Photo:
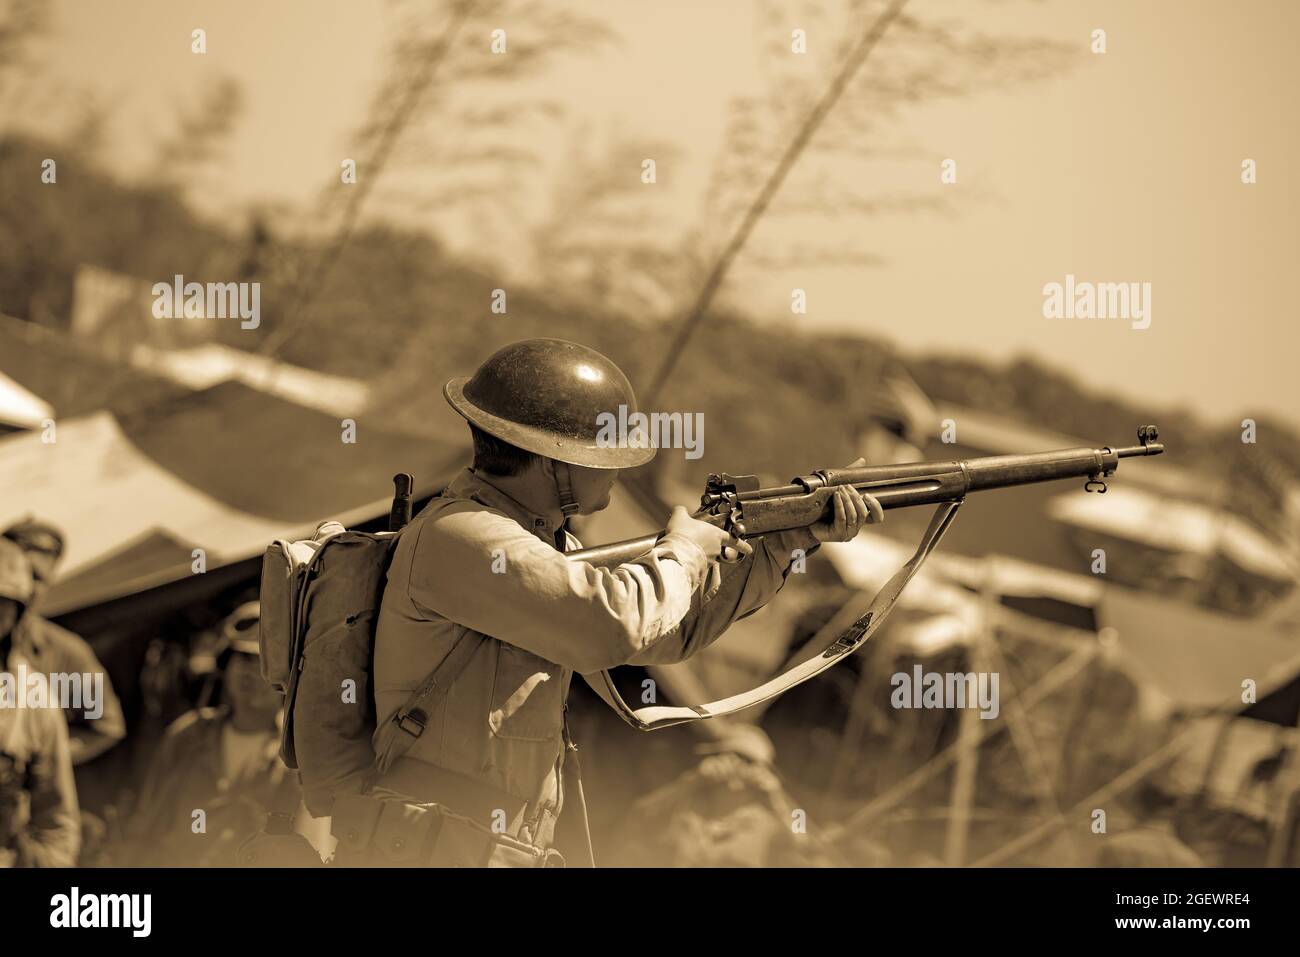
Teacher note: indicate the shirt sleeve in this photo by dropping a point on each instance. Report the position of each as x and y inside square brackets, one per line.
[90, 737]
[53, 838]
[484, 571]
[731, 592]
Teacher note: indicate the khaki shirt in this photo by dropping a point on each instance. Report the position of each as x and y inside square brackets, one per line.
[189, 772]
[476, 560]
[51, 650]
[41, 818]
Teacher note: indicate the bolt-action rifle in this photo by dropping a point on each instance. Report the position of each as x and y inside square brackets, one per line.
[737, 503]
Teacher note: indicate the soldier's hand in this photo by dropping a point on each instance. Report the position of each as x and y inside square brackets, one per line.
[851, 510]
[711, 539]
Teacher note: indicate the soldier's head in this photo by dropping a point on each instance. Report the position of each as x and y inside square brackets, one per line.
[239, 660]
[534, 410]
[43, 545]
[15, 586]
[497, 458]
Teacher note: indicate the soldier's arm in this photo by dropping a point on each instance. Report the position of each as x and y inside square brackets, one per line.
[485, 572]
[53, 836]
[89, 737]
[739, 590]
[155, 811]
[730, 593]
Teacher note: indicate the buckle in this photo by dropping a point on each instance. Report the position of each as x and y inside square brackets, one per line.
[415, 717]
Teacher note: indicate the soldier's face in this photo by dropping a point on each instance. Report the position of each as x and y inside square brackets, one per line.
[592, 487]
[8, 615]
[44, 563]
[246, 688]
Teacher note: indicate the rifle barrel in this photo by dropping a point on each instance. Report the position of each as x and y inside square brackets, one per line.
[807, 497]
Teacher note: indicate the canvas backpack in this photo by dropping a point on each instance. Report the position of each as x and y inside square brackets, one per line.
[320, 601]
[320, 605]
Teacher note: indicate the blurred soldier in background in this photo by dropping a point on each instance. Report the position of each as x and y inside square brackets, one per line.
[900, 421]
[39, 823]
[50, 649]
[217, 770]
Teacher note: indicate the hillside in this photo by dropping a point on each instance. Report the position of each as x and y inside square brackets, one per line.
[396, 311]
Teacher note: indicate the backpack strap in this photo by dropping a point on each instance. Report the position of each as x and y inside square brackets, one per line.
[400, 732]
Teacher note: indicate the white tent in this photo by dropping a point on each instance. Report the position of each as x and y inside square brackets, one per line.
[19, 408]
[93, 482]
[202, 367]
[1176, 526]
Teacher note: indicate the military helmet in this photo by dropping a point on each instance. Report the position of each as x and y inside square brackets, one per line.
[239, 631]
[544, 396]
[43, 544]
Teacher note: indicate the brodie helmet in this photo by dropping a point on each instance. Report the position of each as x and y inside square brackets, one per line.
[545, 396]
[43, 544]
[239, 630]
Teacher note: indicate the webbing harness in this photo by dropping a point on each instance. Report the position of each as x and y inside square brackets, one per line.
[654, 717]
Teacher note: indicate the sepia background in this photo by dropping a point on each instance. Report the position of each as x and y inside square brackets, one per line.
[817, 297]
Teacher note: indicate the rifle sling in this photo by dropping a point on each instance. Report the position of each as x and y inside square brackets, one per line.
[665, 716]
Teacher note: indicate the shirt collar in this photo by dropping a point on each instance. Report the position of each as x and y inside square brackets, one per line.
[476, 486]
[27, 634]
[18, 656]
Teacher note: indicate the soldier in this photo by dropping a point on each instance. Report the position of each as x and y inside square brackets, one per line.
[39, 823]
[479, 575]
[899, 419]
[53, 650]
[217, 771]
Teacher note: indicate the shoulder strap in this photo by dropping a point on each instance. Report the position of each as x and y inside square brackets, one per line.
[408, 722]
[656, 717]
[404, 728]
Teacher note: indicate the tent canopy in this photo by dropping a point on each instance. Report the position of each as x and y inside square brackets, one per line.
[19, 408]
[226, 470]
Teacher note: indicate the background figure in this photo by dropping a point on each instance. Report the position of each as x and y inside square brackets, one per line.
[39, 824]
[50, 649]
[899, 417]
[217, 769]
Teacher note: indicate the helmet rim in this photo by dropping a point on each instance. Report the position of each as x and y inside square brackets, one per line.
[548, 444]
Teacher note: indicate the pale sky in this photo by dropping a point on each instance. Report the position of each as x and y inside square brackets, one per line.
[1125, 168]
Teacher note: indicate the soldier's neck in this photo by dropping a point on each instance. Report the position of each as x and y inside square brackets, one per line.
[534, 490]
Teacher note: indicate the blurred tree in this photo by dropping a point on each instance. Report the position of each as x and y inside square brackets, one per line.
[23, 23]
[201, 134]
[921, 60]
[453, 108]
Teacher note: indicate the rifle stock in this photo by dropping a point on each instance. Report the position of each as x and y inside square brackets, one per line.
[738, 503]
